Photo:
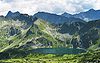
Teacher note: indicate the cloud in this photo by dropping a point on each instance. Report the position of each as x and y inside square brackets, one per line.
[97, 4]
[4, 7]
[52, 6]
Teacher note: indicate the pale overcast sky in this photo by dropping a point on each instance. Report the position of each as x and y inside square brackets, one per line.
[53, 6]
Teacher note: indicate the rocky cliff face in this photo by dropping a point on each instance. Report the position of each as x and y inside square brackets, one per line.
[43, 33]
[87, 16]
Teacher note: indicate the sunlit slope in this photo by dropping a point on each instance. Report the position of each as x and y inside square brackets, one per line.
[8, 30]
[40, 34]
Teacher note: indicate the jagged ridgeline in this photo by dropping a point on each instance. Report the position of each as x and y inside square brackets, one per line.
[9, 29]
[49, 37]
[39, 34]
[43, 34]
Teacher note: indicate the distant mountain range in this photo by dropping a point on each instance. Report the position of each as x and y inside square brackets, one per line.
[21, 34]
[21, 17]
[53, 18]
[87, 16]
[56, 25]
[57, 19]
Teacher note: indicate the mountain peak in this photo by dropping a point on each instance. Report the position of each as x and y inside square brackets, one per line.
[66, 14]
[91, 10]
[89, 15]
[11, 14]
[17, 12]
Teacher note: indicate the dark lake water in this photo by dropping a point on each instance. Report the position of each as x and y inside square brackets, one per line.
[58, 51]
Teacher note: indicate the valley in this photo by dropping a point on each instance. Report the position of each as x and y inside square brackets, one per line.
[49, 38]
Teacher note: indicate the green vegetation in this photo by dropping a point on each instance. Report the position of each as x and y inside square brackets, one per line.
[95, 46]
[17, 44]
[51, 58]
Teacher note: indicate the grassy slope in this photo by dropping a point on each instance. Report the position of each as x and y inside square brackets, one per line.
[50, 33]
[40, 29]
[23, 38]
[89, 57]
[4, 32]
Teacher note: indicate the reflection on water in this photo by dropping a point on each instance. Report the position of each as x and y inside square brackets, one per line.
[58, 51]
